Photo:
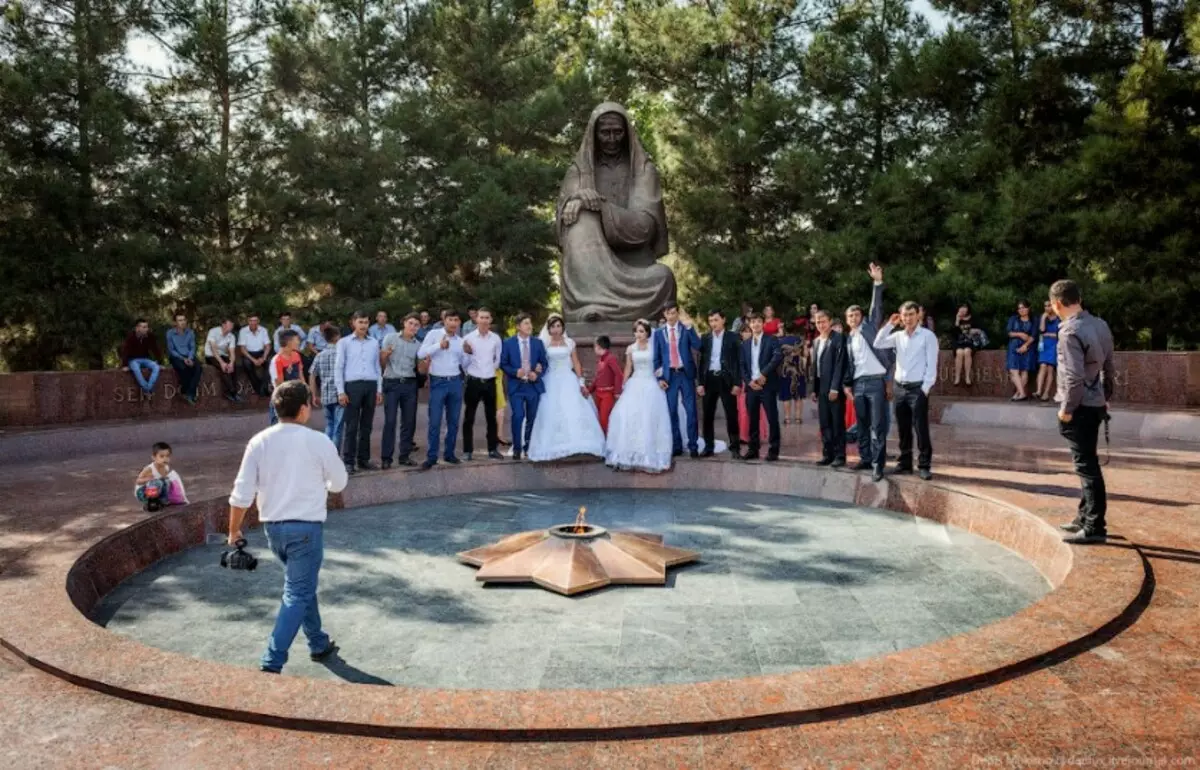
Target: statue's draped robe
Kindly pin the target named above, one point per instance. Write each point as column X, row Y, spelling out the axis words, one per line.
column 610, row 269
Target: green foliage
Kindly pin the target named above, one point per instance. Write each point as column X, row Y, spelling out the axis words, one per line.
column 346, row 154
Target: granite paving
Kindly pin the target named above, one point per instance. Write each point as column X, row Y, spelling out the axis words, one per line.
column 1130, row 701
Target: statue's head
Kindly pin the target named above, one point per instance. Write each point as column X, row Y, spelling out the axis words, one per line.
column 611, row 134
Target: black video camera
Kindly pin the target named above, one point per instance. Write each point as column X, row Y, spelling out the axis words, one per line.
column 239, row 559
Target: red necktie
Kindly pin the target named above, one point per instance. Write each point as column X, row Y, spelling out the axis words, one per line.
column 675, row 362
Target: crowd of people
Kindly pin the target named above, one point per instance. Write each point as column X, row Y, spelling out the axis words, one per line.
column 639, row 416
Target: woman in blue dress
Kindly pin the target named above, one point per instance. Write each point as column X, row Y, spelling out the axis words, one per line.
column 1022, row 350
column 1047, row 353
column 791, row 374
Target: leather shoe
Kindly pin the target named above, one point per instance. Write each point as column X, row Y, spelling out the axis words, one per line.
column 517, row 456
column 386, row 464
column 351, row 470
column 838, row 463
column 317, row 657
column 861, row 465
column 452, row 460
column 877, row 475
column 694, row 454
column 706, row 453
column 405, row 461
column 901, row 470
column 772, row 457
column 1073, row 526
column 468, row 456
column 368, row 466
column 495, row 455
column 677, row 453
column 925, row 474
column 825, row 461
column 750, row 456
column 1083, row 537
column 428, row 464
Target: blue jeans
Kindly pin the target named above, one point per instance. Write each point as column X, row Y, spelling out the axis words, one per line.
column 871, row 411
column 145, row 383
column 445, row 394
column 679, row 385
column 333, row 424
column 300, row 546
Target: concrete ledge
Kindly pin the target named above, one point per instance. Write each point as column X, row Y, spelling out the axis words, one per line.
column 1144, row 426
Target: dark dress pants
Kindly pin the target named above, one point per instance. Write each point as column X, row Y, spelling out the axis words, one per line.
column 478, row 390
column 717, row 389
column 871, row 408
column 257, row 375
column 832, row 417
column 756, row 402
column 360, row 413
column 399, row 396
column 912, row 413
column 189, row 376
column 228, row 381
column 1083, row 437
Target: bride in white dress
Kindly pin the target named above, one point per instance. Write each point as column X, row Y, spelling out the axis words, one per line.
column 639, row 428
column 566, row 422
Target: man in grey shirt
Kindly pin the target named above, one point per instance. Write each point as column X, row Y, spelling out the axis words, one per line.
column 1085, row 386
column 399, row 359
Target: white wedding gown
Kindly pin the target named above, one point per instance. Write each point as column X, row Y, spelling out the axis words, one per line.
column 566, row 423
column 639, row 428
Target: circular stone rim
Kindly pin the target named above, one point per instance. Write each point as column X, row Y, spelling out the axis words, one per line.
column 1071, row 619
column 566, row 532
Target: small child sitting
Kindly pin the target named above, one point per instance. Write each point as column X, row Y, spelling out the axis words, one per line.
column 157, row 485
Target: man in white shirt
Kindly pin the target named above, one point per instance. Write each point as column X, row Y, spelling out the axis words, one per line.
column 482, row 349
column 866, row 378
column 360, row 389
column 220, row 352
column 443, row 349
column 916, row 372
column 254, row 350
column 289, row 470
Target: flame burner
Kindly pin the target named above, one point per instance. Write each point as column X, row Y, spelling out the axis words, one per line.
column 573, row 558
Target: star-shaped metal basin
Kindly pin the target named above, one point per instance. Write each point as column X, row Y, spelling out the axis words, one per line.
column 570, row 559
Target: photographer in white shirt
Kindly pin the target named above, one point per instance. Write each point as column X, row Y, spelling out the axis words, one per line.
column 289, row 470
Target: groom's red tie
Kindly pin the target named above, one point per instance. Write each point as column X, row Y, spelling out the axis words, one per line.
column 675, row 362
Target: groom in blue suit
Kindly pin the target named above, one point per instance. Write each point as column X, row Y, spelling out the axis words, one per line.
column 523, row 361
column 675, row 367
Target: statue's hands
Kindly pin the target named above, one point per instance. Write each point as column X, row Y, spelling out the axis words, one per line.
column 570, row 214
column 590, row 199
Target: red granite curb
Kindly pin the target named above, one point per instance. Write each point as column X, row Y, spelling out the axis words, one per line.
column 1098, row 592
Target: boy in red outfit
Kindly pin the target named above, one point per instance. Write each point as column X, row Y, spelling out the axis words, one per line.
column 606, row 386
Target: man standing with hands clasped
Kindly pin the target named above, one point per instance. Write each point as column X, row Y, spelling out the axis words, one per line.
column 444, row 350
column 360, row 389
column 1085, row 386
column 523, row 360
column 761, row 356
column 720, row 380
column 290, row 470
column 675, row 368
column 916, row 372
column 828, row 376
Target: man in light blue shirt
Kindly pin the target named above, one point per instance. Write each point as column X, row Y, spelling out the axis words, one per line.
column 285, row 324
column 360, row 389
column 381, row 328
column 181, row 352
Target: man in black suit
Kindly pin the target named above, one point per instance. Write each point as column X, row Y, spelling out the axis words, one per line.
column 761, row 356
column 720, row 380
column 827, row 377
